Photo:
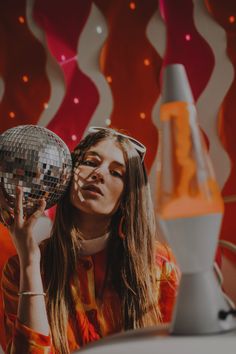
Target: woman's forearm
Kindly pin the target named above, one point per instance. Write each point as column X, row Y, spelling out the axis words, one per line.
column 32, row 309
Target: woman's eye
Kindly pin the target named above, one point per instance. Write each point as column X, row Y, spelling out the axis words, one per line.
column 116, row 174
column 89, row 163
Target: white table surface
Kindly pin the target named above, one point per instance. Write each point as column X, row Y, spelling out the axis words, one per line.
column 158, row 341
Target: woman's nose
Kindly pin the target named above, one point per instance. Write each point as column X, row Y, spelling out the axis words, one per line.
column 97, row 175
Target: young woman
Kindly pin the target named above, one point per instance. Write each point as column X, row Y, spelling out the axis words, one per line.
column 102, row 270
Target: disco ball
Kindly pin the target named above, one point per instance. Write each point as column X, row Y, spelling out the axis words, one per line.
column 36, row 159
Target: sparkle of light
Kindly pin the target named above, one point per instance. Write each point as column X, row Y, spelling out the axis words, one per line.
column 132, row 5
column 99, row 29
column 25, row 78
column 73, row 137
column 142, row 115
column 109, row 79
column 108, row 122
column 146, row 62
column 187, row 37
column 12, row 115
column 21, row 19
column 76, row 100
column 231, row 19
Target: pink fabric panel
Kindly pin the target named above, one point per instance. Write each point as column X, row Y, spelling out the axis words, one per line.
column 185, row 45
column 63, row 23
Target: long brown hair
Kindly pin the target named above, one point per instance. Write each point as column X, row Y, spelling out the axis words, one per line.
column 131, row 264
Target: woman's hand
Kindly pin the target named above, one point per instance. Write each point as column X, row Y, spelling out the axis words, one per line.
column 21, row 228
column 31, row 310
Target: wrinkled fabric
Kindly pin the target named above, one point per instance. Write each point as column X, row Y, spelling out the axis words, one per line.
column 98, row 310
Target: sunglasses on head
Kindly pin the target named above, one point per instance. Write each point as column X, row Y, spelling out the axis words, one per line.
column 136, row 144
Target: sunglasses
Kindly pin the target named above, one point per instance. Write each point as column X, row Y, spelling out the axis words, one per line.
column 136, row 144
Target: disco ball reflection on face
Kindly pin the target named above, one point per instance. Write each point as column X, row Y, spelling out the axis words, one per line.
column 36, row 159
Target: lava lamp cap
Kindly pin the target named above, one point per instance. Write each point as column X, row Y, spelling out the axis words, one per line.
column 175, row 84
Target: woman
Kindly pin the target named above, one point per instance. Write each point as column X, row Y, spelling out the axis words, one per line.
column 102, row 270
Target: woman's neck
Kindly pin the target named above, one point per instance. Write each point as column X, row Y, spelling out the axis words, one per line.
column 91, row 226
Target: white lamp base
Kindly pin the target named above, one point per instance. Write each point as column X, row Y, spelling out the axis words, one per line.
column 199, row 301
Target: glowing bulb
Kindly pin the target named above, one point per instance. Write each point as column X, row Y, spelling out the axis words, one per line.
column 142, row 115
column 25, row 78
column 108, row 121
column 109, row 79
column 132, row 5
column 73, row 137
column 45, row 105
column 12, row 115
column 99, row 29
column 146, row 62
column 21, row 19
column 231, row 19
column 187, row 37
column 63, row 57
column 76, row 100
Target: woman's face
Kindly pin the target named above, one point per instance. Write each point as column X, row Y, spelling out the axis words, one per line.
column 98, row 182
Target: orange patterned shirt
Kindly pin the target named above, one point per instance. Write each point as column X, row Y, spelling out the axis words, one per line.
column 96, row 315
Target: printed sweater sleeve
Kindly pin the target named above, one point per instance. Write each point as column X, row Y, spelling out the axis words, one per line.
column 19, row 338
column 168, row 276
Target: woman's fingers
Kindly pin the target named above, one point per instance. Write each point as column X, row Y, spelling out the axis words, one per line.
column 34, row 217
column 18, row 210
column 15, row 220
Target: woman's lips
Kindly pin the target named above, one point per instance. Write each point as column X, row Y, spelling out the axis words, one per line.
column 92, row 188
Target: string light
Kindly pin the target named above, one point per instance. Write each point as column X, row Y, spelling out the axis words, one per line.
column 45, row 105
column 142, row 115
column 146, row 62
column 187, row 37
column 12, row 115
column 63, row 57
column 132, row 5
column 109, row 79
column 21, row 19
column 231, row 19
column 108, row 122
column 25, row 78
column 76, row 100
column 73, row 137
